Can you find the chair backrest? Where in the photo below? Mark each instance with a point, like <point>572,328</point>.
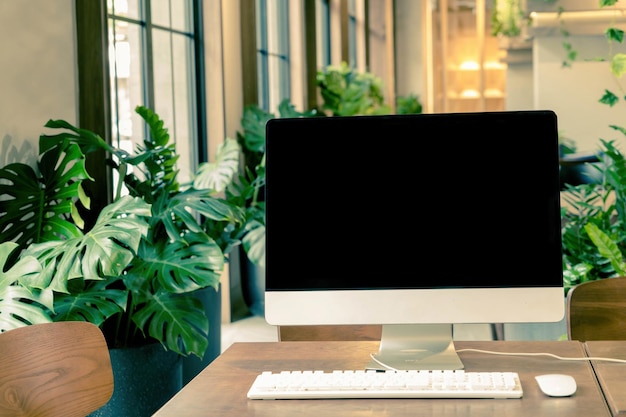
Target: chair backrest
<point>54,369</point>
<point>331,332</point>
<point>596,310</point>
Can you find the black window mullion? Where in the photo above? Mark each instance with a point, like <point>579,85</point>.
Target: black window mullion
<point>200,99</point>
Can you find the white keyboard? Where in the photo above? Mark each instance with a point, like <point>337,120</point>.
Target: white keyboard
<point>390,384</point>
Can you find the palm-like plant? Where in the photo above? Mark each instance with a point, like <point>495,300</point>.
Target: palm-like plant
<point>248,190</point>
<point>131,273</point>
<point>594,223</point>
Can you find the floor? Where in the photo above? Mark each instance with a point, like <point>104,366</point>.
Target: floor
<point>256,329</point>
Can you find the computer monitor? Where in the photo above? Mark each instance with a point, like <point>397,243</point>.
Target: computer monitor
<point>415,222</point>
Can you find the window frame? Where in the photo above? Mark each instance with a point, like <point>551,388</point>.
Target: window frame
<point>95,95</point>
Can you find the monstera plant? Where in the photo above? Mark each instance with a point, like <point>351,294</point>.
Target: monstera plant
<point>130,273</point>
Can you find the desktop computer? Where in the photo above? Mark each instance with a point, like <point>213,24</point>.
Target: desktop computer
<point>415,222</point>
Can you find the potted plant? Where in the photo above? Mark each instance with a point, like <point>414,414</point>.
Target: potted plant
<point>594,215</point>
<point>133,272</point>
<point>248,192</point>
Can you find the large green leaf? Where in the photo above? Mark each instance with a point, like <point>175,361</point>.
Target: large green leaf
<point>104,251</point>
<point>25,267</point>
<point>179,323</point>
<point>254,242</point>
<point>93,305</point>
<point>607,248</point>
<point>185,207</point>
<point>87,140</point>
<point>20,307</point>
<point>40,208</point>
<point>186,264</point>
<point>219,174</point>
<point>158,158</point>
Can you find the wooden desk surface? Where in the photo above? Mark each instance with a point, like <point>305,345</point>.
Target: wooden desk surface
<point>221,388</point>
<point>611,375</point>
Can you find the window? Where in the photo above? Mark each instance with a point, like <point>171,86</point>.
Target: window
<point>272,44</point>
<point>154,61</point>
<point>322,31</point>
<point>352,34</point>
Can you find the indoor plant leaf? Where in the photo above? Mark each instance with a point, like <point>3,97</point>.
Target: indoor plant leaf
<point>217,175</point>
<point>18,304</point>
<point>179,323</point>
<point>191,262</point>
<point>94,305</point>
<point>186,206</point>
<point>254,243</point>
<point>607,248</point>
<point>41,208</point>
<point>19,307</point>
<point>24,267</point>
<point>104,251</point>
<point>87,140</point>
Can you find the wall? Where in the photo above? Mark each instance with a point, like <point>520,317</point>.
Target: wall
<point>38,82</point>
<point>409,45</point>
<point>573,93</point>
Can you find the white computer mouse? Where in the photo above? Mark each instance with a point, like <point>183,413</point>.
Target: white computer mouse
<point>556,385</point>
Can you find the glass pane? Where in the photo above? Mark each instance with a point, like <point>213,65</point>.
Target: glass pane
<point>183,96</point>
<point>273,52</point>
<point>173,93</point>
<point>322,32</point>
<point>171,14</point>
<point>162,67</point>
<point>126,8</point>
<point>126,83</point>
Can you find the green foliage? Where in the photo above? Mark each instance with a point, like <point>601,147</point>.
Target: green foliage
<point>594,223</point>
<point>507,18</point>
<point>131,273</point>
<point>347,92</point>
<point>609,98</point>
<point>40,206</point>
<point>408,105</point>
<point>248,190</point>
<point>594,219</point>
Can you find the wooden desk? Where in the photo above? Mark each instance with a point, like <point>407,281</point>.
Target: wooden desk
<point>221,388</point>
<point>611,375</point>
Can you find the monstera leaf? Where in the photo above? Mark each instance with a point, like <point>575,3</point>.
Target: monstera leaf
<point>19,305</point>
<point>178,323</point>
<point>186,264</point>
<point>105,251</point>
<point>217,175</point>
<point>93,302</point>
<point>40,208</point>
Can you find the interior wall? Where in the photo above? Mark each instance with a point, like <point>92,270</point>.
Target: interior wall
<point>39,78</point>
<point>409,45</point>
<point>574,92</point>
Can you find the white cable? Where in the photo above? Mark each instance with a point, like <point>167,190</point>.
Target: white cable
<point>544,354</point>
<point>491,352</point>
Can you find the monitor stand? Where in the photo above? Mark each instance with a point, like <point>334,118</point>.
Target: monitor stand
<point>416,346</point>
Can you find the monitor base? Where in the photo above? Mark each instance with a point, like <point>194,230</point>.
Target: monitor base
<point>416,346</point>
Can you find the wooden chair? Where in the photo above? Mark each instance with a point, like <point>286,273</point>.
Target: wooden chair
<point>327,333</point>
<point>54,369</point>
<point>596,310</point>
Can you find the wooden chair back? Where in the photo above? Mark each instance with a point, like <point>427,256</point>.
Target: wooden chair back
<point>54,369</point>
<point>596,310</point>
<point>329,333</point>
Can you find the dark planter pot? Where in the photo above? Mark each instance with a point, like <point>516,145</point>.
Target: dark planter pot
<point>145,378</point>
<point>212,302</point>
<point>253,286</point>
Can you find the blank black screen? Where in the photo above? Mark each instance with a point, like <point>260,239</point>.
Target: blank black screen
<point>413,201</point>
